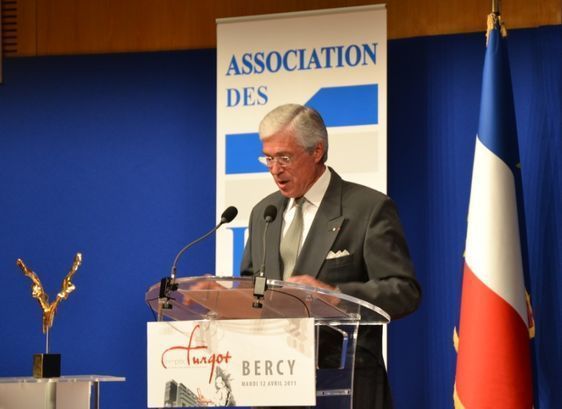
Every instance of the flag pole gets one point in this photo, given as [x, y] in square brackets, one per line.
[496, 6]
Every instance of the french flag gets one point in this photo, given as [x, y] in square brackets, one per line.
[494, 363]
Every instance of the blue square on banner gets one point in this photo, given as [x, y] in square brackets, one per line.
[352, 105]
[242, 152]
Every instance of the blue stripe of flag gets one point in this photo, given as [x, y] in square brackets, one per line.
[497, 127]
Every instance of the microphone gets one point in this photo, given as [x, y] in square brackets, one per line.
[168, 284]
[260, 282]
[227, 216]
[269, 215]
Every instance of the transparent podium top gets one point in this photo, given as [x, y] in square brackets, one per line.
[211, 297]
[63, 379]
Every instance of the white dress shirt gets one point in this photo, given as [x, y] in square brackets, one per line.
[310, 206]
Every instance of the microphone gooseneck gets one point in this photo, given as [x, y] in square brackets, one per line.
[168, 284]
[260, 281]
[269, 215]
[227, 216]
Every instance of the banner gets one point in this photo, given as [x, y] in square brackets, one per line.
[231, 363]
[332, 60]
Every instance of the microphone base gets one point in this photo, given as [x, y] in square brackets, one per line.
[260, 287]
[167, 285]
[165, 304]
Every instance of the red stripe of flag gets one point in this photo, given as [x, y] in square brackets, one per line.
[493, 366]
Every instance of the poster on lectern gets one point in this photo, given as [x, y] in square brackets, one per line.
[264, 362]
[333, 60]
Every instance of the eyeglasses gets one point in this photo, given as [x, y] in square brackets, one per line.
[282, 160]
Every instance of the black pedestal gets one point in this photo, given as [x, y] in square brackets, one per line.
[46, 365]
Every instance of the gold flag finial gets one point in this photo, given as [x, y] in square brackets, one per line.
[495, 20]
[38, 292]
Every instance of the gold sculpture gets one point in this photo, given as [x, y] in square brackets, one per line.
[38, 292]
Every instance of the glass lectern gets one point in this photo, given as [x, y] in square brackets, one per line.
[337, 318]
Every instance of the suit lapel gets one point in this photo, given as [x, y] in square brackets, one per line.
[324, 230]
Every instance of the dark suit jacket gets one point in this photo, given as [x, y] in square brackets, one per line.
[378, 269]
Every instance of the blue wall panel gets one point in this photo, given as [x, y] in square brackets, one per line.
[113, 156]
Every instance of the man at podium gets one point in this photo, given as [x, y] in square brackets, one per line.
[334, 234]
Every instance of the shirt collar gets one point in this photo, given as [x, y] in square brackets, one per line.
[317, 191]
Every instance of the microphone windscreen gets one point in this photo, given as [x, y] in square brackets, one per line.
[229, 214]
[270, 213]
